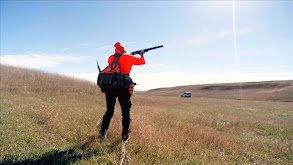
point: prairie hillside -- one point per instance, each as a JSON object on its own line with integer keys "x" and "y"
{"x": 51, "y": 119}
{"x": 266, "y": 91}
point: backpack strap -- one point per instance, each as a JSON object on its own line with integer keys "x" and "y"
{"x": 116, "y": 61}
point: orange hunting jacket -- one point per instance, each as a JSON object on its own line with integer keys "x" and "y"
{"x": 126, "y": 61}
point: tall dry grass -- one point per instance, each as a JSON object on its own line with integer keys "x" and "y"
{"x": 49, "y": 116}
{"x": 41, "y": 112}
{"x": 217, "y": 131}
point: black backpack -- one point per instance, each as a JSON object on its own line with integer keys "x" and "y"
{"x": 112, "y": 77}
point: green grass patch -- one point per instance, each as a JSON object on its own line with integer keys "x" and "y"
{"x": 265, "y": 130}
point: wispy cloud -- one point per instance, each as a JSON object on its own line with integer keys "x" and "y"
{"x": 160, "y": 65}
{"x": 64, "y": 49}
{"x": 74, "y": 47}
{"x": 37, "y": 60}
{"x": 103, "y": 47}
{"x": 259, "y": 51}
{"x": 112, "y": 46}
{"x": 205, "y": 37}
{"x": 83, "y": 44}
{"x": 250, "y": 29}
{"x": 127, "y": 43}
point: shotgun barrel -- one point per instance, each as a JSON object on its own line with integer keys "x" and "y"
{"x": 146, "y": 50}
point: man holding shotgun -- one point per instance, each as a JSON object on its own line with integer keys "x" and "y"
{"x": 125, "y": 63}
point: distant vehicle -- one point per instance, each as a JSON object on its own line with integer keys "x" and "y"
{"x": 186, "y": 94}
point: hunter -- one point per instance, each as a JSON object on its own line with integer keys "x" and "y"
{"x": 126, "y": 62}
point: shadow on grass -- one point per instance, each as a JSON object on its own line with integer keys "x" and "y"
{"x": 69, "y": 156}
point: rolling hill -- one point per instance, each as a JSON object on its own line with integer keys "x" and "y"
{"x": 265, "y": 91}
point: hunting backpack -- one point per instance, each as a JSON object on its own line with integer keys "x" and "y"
{"x": 112, "y": 77}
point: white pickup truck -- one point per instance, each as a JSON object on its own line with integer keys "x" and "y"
{"x": 186, "y": 94}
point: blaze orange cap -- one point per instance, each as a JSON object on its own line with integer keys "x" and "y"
{"x": 119, "y": 48}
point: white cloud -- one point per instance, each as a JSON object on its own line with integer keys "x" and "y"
{"x": 37, "y": 60}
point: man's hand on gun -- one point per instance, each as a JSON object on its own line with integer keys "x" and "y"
{"x": 141, "y": 53}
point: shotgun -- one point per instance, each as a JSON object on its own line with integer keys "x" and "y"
{"x": 146, "y": 50}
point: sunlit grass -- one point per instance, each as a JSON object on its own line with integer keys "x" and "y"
{"x": 47, "y": 118}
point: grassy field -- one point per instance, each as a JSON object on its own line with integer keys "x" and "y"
{"x": 281, "y": 90}
{"x": 50, "y": 119}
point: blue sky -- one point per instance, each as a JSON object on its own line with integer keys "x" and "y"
{"x": 204, "y": 42}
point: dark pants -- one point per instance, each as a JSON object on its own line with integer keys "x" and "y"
{"x": 125, "y": 103}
